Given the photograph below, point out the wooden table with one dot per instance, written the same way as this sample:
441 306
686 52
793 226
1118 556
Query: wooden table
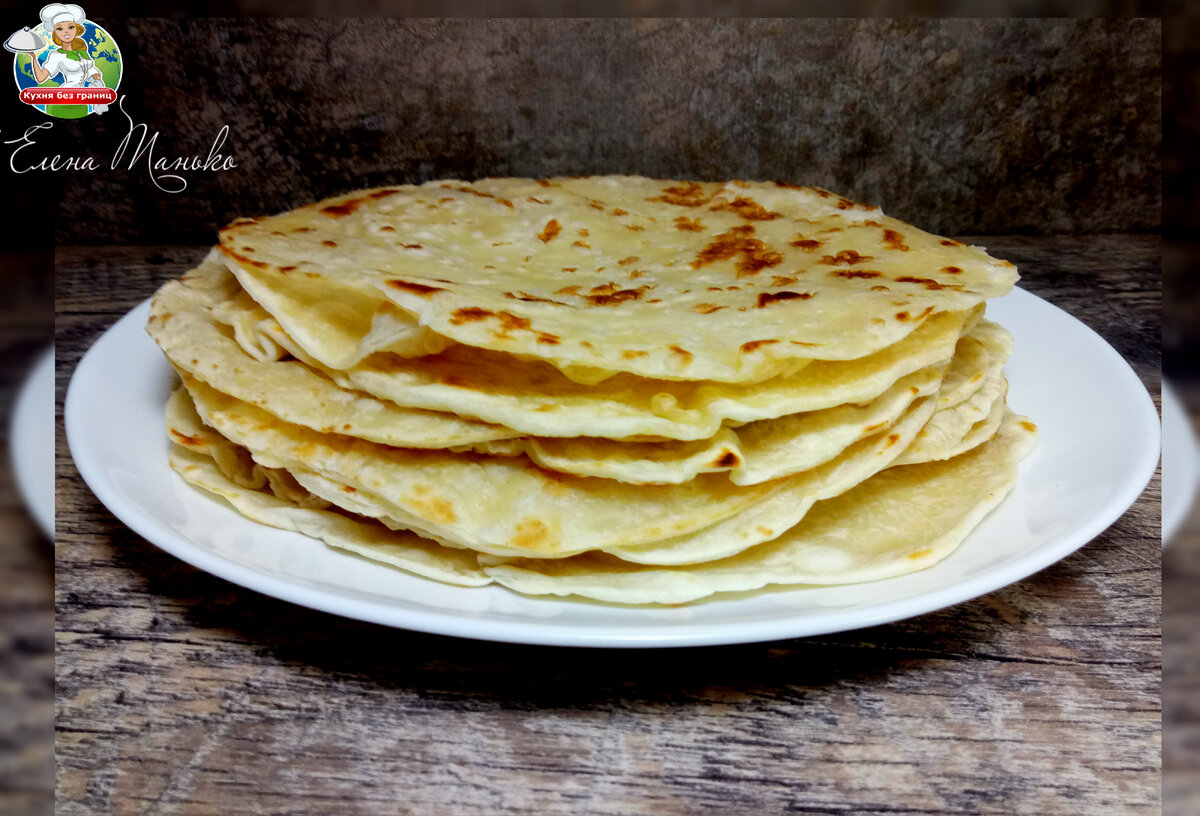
179 693
1181 653
26 563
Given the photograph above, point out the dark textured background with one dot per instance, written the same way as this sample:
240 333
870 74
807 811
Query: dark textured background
961 126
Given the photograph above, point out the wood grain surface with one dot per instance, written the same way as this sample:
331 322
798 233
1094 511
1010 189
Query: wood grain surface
1181 651
179 693
26 569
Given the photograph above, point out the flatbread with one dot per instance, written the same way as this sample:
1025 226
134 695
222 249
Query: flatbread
907 519
902 520
183 324
662 279
533 398
500 505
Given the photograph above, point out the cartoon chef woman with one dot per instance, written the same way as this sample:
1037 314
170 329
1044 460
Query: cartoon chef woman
70 61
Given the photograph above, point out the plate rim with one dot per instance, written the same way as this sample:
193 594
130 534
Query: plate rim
25 408
1173 517
547 632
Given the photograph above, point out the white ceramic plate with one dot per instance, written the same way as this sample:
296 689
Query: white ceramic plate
1180 463
31 438
1099 446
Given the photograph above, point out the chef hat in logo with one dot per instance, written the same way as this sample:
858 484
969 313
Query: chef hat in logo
62 12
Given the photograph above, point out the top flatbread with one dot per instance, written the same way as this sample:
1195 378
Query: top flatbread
674 280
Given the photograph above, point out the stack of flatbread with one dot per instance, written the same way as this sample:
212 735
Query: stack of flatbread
620 388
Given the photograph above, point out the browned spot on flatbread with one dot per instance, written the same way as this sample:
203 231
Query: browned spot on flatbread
767 531
605 297
546 408
548 232
746 208
1029 426
581 245
920 553
783 280
345 208
510 322
707 308
242 258
627 261
808 244
469 314
902 316
419 289
755 255
727 459
753 345
688 224
383 193
683 353
530 534
528 298
847 256
688 194
894 240
568 290
286 269
949 242
952 270
190 441
548 339
432 508
928 283
349 489
855 273
893 439
767 298
332 244
403 245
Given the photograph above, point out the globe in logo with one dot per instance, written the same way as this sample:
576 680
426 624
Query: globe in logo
65 64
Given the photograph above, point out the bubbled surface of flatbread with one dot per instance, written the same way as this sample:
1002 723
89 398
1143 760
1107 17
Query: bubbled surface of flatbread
663 279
